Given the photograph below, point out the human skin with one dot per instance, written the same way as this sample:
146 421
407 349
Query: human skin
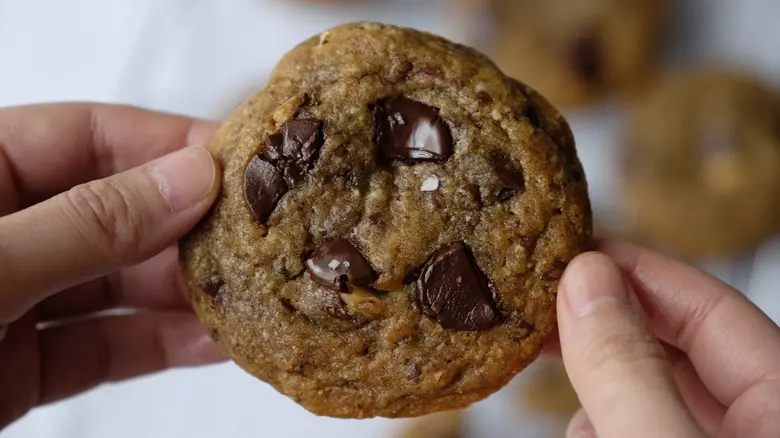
653 347
89 217
657 348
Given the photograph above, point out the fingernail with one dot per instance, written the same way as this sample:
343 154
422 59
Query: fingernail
590 279
185 177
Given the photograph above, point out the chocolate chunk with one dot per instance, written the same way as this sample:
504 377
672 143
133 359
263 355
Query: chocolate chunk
484 97
263 187
412 276
506 194
411 131
288 157
555 272
510 178
476 196
303 141
337 264
587 58
431 70
404 68
273 152
287 304
452 289
532 112
295 151
212 286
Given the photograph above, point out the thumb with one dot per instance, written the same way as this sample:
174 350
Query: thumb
615 363
100 226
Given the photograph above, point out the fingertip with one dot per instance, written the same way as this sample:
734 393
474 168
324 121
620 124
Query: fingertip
216 171
615 362
582 263
590 278
622 252
187 178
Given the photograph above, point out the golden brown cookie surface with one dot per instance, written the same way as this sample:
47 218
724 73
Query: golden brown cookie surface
395 216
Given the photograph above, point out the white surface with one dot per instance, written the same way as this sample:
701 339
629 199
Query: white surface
201 58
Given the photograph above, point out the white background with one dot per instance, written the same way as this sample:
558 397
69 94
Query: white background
201 58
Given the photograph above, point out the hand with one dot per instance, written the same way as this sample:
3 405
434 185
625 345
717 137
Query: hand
655 348
83 197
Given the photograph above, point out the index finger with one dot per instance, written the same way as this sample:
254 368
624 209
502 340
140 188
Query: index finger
47 149
732 344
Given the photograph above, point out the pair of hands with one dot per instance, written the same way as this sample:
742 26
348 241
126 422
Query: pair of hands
93 199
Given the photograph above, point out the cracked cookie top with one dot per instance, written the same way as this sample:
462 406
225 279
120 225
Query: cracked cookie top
396 214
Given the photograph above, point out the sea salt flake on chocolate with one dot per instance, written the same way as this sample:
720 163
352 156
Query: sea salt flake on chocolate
407 130
337 264
430 184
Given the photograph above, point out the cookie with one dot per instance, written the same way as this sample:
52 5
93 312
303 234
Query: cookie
394 219
441 425
701 169
574 51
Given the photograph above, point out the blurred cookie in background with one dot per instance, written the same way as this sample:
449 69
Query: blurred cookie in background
549 391
447 424
571 51
701 168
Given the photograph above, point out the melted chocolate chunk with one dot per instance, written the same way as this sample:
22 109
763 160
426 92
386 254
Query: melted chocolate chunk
337 263
452 289
212 286
288 157
587 58
302 142
263 187
510 179
411 131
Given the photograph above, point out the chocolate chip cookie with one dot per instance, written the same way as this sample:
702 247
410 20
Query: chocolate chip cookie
395 216
702 164
575 51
